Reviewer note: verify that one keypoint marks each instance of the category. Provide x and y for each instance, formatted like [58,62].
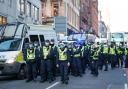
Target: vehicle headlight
[11,60]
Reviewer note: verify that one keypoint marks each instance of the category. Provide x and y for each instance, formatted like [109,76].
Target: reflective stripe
[95,56]
[46,51]
[30,54]
[20,57]
[112,51]
[62,55]
[125,51]
[76,55]
[82,51]
[105,50]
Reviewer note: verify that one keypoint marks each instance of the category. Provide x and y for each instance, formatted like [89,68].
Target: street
[112,79]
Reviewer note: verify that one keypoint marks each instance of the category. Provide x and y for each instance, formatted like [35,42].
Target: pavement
[112,79]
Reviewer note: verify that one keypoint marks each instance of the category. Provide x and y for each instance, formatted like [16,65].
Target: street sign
[60,24]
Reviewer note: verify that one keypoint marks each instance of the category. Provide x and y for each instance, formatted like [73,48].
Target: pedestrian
[46,64]
[31,63]
[63,64]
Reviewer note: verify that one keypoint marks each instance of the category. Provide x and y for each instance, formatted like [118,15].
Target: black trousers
[31,69]
[46,70]
[63,65]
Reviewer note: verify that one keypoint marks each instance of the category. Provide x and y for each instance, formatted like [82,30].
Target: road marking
[52,85]
[109,86]
[125,86]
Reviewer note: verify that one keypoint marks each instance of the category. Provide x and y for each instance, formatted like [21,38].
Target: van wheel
[22,73]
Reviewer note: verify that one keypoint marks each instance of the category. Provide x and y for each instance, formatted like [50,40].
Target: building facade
[85,15]
[66,8]
[89,16]
[27,11]
[94,15]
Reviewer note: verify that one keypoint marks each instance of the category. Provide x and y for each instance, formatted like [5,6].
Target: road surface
[112,79]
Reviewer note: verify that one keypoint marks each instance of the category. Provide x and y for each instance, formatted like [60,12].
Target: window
[35,12]
[55,10]
[34,38]
[10,3]
[3,20]
[29,9]
[22,6]
[117,35]
[1,1]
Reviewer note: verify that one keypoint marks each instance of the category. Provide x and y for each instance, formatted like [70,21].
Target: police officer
[126,57]
[54,55]
[37,57]
[63,63]
[101,60]
[119,56]
[77,60]
[83,58]
[70,58]
[94,63]
[31,63]
[112,56]
[105,57]
[46,65]
[88,55]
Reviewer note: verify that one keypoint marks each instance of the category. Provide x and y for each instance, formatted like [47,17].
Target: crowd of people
[50,61]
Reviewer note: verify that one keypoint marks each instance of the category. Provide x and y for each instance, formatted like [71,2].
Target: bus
[118,38]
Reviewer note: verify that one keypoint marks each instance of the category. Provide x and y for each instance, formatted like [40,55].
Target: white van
[14,38]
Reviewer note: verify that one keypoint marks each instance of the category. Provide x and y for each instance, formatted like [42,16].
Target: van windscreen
[10,45]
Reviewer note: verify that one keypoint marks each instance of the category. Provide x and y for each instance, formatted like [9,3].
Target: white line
[109,86]
[52,85]
[125,86]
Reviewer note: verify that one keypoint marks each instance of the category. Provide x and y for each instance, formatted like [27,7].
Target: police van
[14,39]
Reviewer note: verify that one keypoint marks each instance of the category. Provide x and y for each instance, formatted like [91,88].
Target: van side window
[34,38]
[25,44]
[41,38]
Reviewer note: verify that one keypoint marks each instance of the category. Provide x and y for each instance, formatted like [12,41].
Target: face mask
[35,45]
[52,43]
[47,44]
[30,46]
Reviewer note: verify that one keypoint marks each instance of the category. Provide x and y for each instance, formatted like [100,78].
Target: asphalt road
[112,79]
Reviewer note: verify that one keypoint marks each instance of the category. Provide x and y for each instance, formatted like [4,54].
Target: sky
[115,14]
